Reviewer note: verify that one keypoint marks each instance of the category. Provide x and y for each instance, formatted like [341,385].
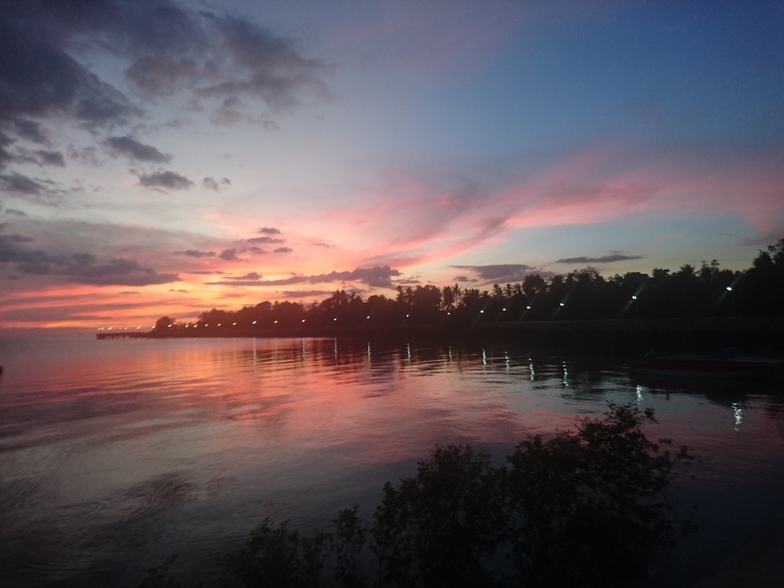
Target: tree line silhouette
[582,294]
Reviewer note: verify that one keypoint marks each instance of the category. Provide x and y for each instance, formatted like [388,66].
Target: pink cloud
[404,221]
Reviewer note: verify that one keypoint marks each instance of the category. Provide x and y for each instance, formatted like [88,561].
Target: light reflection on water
[116,454]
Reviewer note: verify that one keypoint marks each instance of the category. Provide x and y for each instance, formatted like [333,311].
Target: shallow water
[117,454]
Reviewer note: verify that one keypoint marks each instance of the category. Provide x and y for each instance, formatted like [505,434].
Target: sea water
[116,454]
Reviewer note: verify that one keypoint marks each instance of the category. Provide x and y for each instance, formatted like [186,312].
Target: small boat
[728,363]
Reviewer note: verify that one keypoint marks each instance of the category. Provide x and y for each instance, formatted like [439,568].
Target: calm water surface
[117,454]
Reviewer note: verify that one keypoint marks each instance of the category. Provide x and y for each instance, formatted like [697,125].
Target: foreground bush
[581,509]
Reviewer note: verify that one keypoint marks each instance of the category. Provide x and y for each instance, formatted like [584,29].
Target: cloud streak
[167,180]
[604,259]
[133,149]
[80,268]
[505,272]
[378,277]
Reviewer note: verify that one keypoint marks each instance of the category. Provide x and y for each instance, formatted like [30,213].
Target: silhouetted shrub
[437,528]
[587,506]
[275,556]
[580,509]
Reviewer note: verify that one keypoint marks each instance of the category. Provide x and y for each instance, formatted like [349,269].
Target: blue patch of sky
[675,242]
[663,76]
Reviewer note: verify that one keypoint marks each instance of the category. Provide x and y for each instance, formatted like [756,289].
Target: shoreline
[751,333]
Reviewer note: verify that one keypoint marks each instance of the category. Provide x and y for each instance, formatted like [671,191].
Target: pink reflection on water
[135,446]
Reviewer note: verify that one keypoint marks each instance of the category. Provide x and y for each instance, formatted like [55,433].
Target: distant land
[707,300]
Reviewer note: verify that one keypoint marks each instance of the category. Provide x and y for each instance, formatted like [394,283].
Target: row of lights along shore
[254,322]
[561,304]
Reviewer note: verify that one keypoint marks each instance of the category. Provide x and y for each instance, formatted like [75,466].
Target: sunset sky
[171,156]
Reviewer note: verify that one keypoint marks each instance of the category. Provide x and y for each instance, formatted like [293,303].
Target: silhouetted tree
[163,324]
[585,294]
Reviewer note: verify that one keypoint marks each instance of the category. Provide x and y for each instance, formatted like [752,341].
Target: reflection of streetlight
[732,295]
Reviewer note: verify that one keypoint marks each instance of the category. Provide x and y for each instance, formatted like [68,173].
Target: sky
[167,157]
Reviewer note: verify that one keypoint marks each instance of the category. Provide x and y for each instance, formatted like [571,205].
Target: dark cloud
[461,278]
[265,240]
[606,259]
[283,250]
[39,157]
[168,180]
[50,158]
[15,212]
[82,268]
[264,66]
[209,60]
[5,158]
[43,79]
[196,253]
[41,191]
[133,149]
[229,254]
[249,279]
[508,272]
[20,184]
[257,251]
[379,277]
[27,129]
[88,155]
[118,271]
[306,293]
[268,231]
[217,185]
